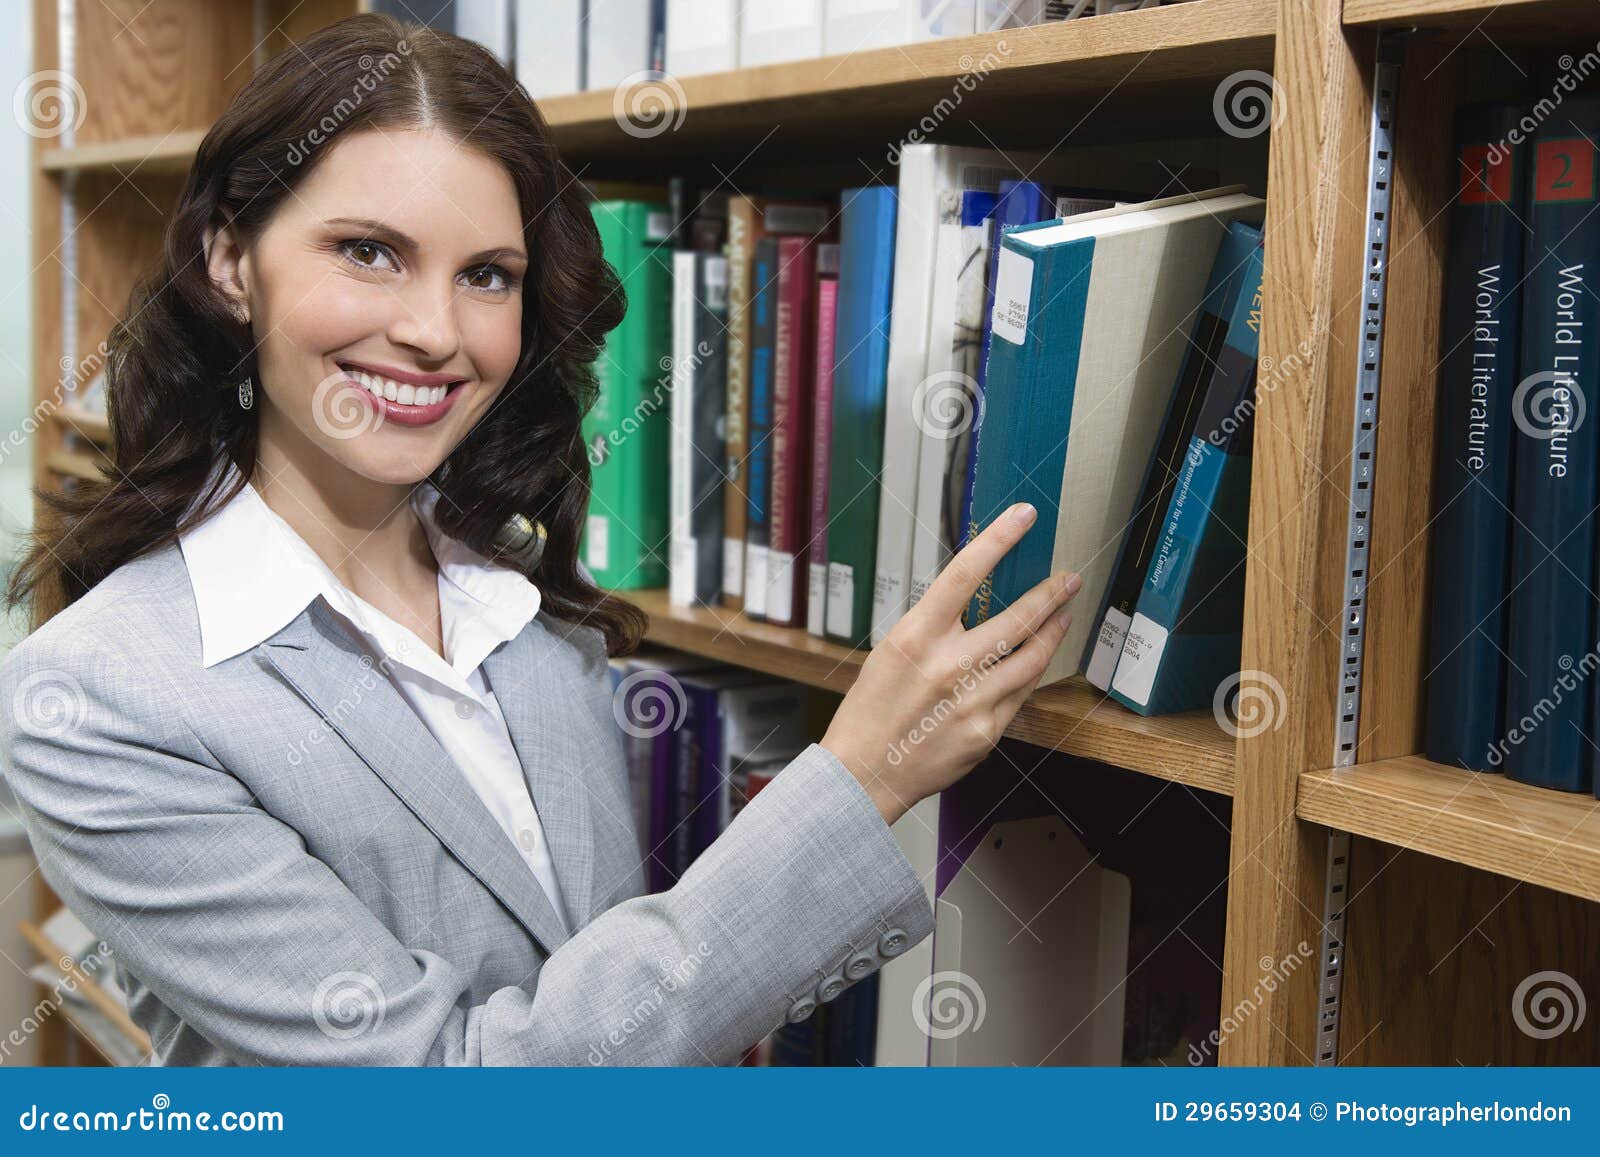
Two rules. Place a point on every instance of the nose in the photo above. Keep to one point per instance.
(425, 320)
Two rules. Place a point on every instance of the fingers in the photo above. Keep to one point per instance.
(1019, 676)
(958, 582)
(1008, 630)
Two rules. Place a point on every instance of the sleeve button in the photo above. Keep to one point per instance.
(801, 1009)
(860, 965)
(893, 942)
(830, 987)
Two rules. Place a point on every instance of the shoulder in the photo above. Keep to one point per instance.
(141, 618)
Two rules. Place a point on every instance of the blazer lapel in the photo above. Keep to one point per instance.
(334, 673)
(545, 731)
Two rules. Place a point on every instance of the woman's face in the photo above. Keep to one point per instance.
(395, 267)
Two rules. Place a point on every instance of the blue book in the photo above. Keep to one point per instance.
(1185, 635)
(1091, 317)
(1143, 536)
(1465, 676)
(1549, 712)
(758, 490)
(860, 380)
(977, 206)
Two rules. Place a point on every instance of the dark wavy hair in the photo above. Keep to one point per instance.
(176, 356)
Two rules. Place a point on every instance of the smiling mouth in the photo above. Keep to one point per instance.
(398, 392)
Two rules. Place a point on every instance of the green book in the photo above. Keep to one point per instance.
(624, 542)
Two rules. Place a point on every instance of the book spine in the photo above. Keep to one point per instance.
(821, 450)
(708, 367)
(763, 336)
(684, 548)
(861, 368)
(1465, 676)
(1552, 615)
(1183, 641)
(743, 217)
(1143, 533)
(792, 386)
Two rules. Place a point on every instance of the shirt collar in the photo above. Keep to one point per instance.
(253, 574)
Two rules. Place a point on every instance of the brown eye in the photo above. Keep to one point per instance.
(485, 277)
(366, 253)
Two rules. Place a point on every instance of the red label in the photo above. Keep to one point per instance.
(1564, 171)
(1485, 175)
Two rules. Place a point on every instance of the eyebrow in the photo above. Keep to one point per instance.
(388, 232)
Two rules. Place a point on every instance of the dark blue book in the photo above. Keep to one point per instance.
(1185, 636)
(758, 488)
(1178, 428)
(1465, 677)
(1552, 612)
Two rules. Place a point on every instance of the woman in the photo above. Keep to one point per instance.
(337, 778)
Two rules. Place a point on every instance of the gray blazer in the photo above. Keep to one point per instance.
(288, 870)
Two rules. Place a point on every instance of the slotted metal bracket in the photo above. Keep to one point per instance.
(1363, 461)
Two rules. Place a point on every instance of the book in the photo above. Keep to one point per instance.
(699, 360)
(759, 723)
(1184, 640)
(624, 541)
(946, 405)
(775, 31)
(1090, 322)
(821, 439)
(1465, 675)
(763, 339)
(794, 346)
(702, 36)
(860, 379)
(619, 42)
(550, 52)
(749, 220)
(1549, 713)
(1143, 534)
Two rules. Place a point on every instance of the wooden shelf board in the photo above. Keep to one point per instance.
(95, 427)
(1545, 837)
(902, 85)
(167, 153)
(1540, 17)
(74, 465)
(1070, 716)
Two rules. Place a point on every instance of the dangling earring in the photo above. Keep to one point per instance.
(521, 541)
(247, 394)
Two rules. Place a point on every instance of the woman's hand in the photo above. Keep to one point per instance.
(933, 698)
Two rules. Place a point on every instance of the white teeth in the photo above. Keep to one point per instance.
(402, 394)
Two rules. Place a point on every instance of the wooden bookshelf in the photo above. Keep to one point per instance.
(1541, 17)
(1544, 837)
(1071, 716)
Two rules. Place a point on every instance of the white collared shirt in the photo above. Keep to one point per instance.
(253, 574)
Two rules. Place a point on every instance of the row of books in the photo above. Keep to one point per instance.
(564, 46)
(856, 391)
(701, 740)
(1512, 649)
